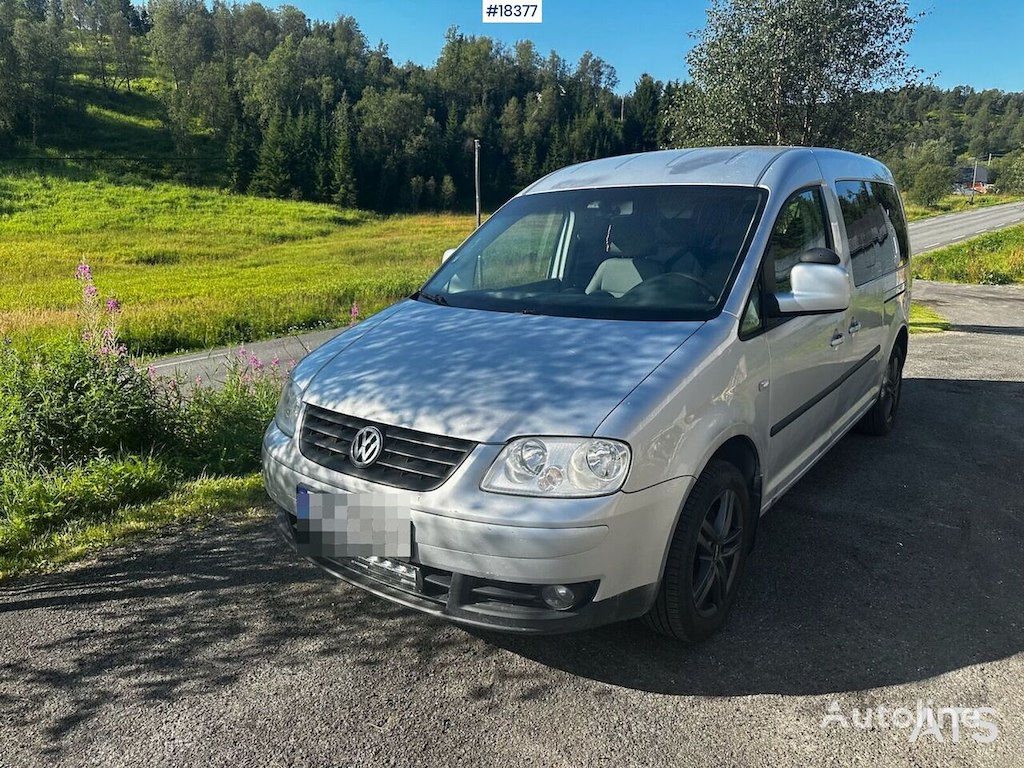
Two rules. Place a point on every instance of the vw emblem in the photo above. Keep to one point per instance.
(366, 446)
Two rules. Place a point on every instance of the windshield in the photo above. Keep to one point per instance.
(632, 253)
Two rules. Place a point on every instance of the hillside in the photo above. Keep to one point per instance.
(199, 267)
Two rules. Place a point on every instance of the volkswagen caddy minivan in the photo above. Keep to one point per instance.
(582, 415)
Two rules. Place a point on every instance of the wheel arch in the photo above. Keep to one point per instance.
(740, 450)
(902, 340)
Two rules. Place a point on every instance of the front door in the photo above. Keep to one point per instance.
(807, 355)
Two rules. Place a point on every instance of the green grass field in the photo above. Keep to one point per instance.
(995, 258)
(195, 268)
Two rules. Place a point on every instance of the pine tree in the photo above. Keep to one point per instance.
(272, 178)
(344, 173)
(241, 156)
(300, 143)
(322, 161)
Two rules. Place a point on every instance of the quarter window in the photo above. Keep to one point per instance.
(875, 228)
(800, 227)
(889, 199)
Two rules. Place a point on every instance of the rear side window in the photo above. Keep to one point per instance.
(889, 199)
(875, 228)
(800, 227)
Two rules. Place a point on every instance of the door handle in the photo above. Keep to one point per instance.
(836, 340)
(854, 326)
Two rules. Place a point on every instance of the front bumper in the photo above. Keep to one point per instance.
(458, 598)
(475, 545)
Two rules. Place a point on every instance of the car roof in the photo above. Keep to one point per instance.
(746, 166)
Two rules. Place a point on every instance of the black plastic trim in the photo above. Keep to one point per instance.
(458, 608)
(781, 425)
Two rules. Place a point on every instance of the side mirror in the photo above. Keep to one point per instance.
(819, 285)
(447, 255)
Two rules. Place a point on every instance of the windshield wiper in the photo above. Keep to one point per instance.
(433, 298)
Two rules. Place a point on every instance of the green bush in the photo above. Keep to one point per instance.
(931, 184)
(69, 402)
(219, 431)
(85, 433)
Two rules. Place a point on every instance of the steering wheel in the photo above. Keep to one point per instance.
(665, 280)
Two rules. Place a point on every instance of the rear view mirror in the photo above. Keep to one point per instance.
(447, 255)
(818, 287)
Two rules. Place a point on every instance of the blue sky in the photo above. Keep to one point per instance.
(959, 42)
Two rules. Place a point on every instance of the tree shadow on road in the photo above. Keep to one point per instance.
(183, 615)
(893, 560)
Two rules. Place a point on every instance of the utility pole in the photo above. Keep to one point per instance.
(974, 181)
(476, 174)
(622, 111)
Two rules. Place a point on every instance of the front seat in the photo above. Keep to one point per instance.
(629, 244)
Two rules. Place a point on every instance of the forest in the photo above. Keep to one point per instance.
(273, 103)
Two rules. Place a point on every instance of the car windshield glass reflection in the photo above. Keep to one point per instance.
(659, 253)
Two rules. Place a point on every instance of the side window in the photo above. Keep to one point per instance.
(800, 227)
(890, 202)
(873, 228)
(522, 254)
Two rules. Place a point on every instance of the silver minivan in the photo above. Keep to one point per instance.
(582, 415)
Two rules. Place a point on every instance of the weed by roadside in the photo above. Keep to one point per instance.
(93, 445)
(995, 258)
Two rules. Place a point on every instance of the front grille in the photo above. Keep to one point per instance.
(411, 460)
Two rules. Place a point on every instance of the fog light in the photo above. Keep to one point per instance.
(558, 596)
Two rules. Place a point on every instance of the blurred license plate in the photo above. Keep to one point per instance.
(363, 525)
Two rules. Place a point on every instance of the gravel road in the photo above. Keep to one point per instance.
(892, 574)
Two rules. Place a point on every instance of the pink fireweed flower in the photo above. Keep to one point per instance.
(242, 353)
(354, 311)
(275, 361)
(108, 334)
(199, 381)
(256, 363)
(113, 305)
(90, 291)
(152, 373)
(83, 272)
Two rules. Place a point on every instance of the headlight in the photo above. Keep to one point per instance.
(288, 408)
(563, 467)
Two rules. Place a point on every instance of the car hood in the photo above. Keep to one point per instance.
(489, 376)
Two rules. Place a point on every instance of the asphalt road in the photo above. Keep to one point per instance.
(892, 573)
(925, 235)
(939, 231)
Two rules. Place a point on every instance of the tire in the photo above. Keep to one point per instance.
(880, 420)
(708, 543)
